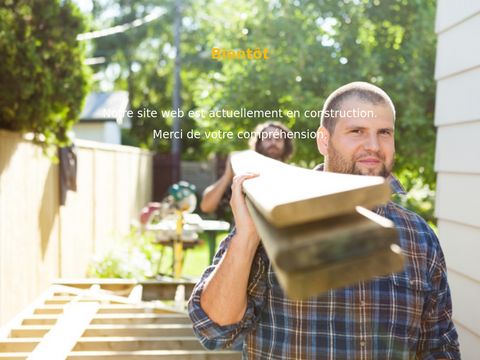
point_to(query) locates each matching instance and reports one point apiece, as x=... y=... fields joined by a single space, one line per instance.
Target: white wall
x=106 y=132
x=457 y=161
x=111 y=133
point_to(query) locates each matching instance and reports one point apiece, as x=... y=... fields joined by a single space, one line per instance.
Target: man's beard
x=337 y=163
x=272 y=152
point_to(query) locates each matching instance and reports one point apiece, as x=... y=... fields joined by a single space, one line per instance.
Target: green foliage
x=135 y=258
x=314 y=47
x=42 y=74
x=419 y=199
x=141 y=58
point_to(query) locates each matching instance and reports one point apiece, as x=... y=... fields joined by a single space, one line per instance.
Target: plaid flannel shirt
x=405 y=315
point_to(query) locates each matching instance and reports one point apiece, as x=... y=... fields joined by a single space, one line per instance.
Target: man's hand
x=245 y=228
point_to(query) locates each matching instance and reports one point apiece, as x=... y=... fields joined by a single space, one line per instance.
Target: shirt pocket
x=408 y=300
x=412 y=280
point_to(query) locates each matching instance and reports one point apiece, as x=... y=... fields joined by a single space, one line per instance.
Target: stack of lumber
x=316 y=226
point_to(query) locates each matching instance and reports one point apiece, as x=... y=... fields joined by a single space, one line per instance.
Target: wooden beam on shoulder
x=315 y=226
x=289 y=195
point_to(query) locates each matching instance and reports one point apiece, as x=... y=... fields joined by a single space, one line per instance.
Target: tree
x=315 y=47
x=143 y=59
x=43 y=79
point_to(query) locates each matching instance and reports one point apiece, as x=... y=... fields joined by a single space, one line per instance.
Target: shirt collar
x=395 y=184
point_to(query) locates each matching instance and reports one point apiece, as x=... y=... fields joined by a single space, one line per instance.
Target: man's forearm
x=213 y=194
x=224 y=296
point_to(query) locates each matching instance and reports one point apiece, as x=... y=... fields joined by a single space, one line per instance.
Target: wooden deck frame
x=151 y=289
x=60 y=340
x=110 y=326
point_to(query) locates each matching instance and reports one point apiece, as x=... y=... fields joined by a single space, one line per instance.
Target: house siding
x=457 y=161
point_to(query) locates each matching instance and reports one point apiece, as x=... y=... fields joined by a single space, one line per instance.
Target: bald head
x=359 y=90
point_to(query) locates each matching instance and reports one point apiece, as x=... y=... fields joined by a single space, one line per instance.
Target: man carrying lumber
x=270 y=139
x=404 y=315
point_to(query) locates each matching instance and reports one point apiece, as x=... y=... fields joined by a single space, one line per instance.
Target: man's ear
x=322 y=140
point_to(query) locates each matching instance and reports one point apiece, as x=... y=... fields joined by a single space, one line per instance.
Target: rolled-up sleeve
x=214 y=336
x=439 y=339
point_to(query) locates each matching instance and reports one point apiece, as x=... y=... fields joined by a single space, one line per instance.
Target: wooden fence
x=41 y=240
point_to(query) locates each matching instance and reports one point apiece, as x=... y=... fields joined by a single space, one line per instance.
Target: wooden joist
x=111 y=343
x=103 y=309
x=94 y=292
x=18 y=344
x=151 y=289
x=128 y=318
x=65 y=299
x=107 y=309
x=141 y=354
x=119 y=286
x=111 y=330
x=138 y=343
x=157 y=354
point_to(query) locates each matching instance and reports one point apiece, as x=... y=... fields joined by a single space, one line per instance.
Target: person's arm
x=213 y=193
x=224 y=296
x=438 y=336
x=227 y=300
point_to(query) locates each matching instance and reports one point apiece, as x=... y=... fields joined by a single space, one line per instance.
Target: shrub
x=43 y=78
x=136 y=257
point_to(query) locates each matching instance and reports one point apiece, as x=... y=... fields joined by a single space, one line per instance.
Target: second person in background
x=271 y=139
